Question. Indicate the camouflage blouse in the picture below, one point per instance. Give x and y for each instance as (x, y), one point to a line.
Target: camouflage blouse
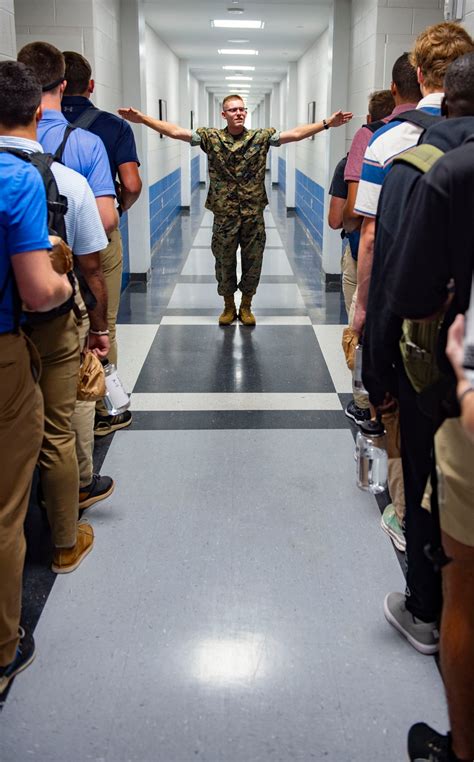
(236, 169)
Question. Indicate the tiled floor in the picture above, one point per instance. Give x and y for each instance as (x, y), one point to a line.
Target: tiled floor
(231, 610)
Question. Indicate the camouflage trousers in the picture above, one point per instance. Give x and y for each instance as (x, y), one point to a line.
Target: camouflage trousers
(227, 234)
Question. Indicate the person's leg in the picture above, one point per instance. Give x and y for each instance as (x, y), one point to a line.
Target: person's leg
(111, 259)
(82, 421)
(21, 432)
(57, 342)
(225, 240)
(252, 246)
(358, 409)
(349, 277)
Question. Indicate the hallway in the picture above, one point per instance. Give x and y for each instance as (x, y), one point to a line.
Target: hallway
(231, 610)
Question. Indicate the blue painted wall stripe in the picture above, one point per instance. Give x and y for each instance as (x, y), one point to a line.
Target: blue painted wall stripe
(194, 173)
(310, 205)
(165, 205)
(282, 174)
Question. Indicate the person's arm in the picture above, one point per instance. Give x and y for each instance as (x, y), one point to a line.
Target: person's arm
(108, 213)
(307, 130)
(40, 287)
(336, 206)
(465, 390)
(365, 259)
(351, 221)
(130, 184)
(91, 269)
(164, 128)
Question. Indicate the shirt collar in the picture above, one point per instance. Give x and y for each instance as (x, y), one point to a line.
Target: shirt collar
(51, 115)
(432, 99)
(22, 144)
(401, 108)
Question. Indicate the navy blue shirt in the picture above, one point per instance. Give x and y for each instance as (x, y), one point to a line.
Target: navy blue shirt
(116, 133)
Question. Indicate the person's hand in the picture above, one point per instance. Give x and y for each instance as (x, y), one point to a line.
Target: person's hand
(455, 346)
(99, 345)
(358, 321)
(131, 115)
(339, 117)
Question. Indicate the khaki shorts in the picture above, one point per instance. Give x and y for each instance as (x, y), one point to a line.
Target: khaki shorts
(455, 459)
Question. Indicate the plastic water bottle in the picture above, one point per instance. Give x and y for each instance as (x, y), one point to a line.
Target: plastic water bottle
(371, 457)
(116, 399)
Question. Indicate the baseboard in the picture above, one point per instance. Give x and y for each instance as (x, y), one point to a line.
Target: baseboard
(332, 281)
(140, 277)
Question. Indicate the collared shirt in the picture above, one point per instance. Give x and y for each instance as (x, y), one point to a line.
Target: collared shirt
(85, 232)
(84, 152)
(236, 169)
(361, 140)
(115, 133)
(22, 224)
(387, 143)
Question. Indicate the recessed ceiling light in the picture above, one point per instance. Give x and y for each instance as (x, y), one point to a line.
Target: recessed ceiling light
(235, 10)
(239, 68)
(238, 42)
(239, 78)
(241, 24)
(237, 52)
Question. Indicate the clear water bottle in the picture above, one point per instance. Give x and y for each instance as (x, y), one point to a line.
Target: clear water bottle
(371, 457)
(116, 399)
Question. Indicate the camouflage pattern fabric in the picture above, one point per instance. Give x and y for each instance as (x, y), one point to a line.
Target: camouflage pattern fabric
(236, 169)
(227, 234)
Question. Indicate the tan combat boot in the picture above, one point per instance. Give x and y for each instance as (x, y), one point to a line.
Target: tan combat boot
(230, 313)
(245, 313)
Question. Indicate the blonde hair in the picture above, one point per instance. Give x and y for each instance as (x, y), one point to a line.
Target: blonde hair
(436, 47)
(232, 97)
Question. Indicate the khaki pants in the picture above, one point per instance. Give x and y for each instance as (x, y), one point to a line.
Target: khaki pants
(455, 461)
(349, 277)
(391, 422)
(57, 342)
(111, 259)
(361, 400)
(84, 414)
(21, 432)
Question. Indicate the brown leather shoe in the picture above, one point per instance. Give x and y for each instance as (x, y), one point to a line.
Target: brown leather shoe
(229, 313)
(66, 560)
(246, 315)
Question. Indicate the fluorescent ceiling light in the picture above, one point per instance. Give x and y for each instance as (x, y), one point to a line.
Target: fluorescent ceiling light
(240, 24)
(239, 68)
(238, 42)
(240, 79)
(237, 52)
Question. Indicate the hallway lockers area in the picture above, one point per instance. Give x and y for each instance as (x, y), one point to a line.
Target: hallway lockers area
(231, 610)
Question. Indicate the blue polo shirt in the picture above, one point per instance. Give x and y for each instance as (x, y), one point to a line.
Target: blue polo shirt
(22, 223)
(115, 133)
(84, 152)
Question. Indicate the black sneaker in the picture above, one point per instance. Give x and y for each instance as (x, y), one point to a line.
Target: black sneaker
(426, 745)
(107, 424)
(356, 413)
(99, 488)
(25, 653)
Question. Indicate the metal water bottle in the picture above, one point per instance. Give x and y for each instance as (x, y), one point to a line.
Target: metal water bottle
(116, 399)
(371, 457)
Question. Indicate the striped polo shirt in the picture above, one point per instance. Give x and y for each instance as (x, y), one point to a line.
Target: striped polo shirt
(388, 142)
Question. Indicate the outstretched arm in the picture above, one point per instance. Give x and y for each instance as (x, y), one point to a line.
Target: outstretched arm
(307, 130)
(164, 128)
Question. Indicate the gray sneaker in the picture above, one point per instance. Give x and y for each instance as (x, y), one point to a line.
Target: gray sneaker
(423, 636)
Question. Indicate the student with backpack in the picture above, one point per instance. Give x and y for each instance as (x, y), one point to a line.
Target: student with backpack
(26, 275)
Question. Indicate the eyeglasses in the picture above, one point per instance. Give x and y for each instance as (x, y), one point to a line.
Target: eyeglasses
(235, 110)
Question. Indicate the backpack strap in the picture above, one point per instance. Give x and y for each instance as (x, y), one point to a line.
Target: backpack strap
(87, 118)
(58, 155)
(422, 157)
(418, 117)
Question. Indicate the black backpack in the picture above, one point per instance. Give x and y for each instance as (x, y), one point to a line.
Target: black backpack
(57, 206)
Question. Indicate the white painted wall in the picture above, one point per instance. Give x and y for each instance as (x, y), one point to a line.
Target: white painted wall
(67, 24)
(107, 63)
(468, 20)
(7, 30)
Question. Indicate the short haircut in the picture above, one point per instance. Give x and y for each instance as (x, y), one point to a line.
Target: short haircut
(232, 97)
(405, 79)
(381, 104)
(436, 47)
(46, 61)
(78, 73)
(21, 94)
(459, 86)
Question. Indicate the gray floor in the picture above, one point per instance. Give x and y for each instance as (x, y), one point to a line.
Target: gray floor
(231, 610)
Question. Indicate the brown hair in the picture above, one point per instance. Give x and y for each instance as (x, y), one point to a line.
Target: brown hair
(381, 104)
(436, 47)
(232, 97)
(78, 73)
(46, 61)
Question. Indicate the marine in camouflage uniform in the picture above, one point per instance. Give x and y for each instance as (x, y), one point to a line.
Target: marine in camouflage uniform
(237, 197)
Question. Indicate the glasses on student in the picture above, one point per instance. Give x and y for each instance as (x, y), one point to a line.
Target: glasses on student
(235, 110)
